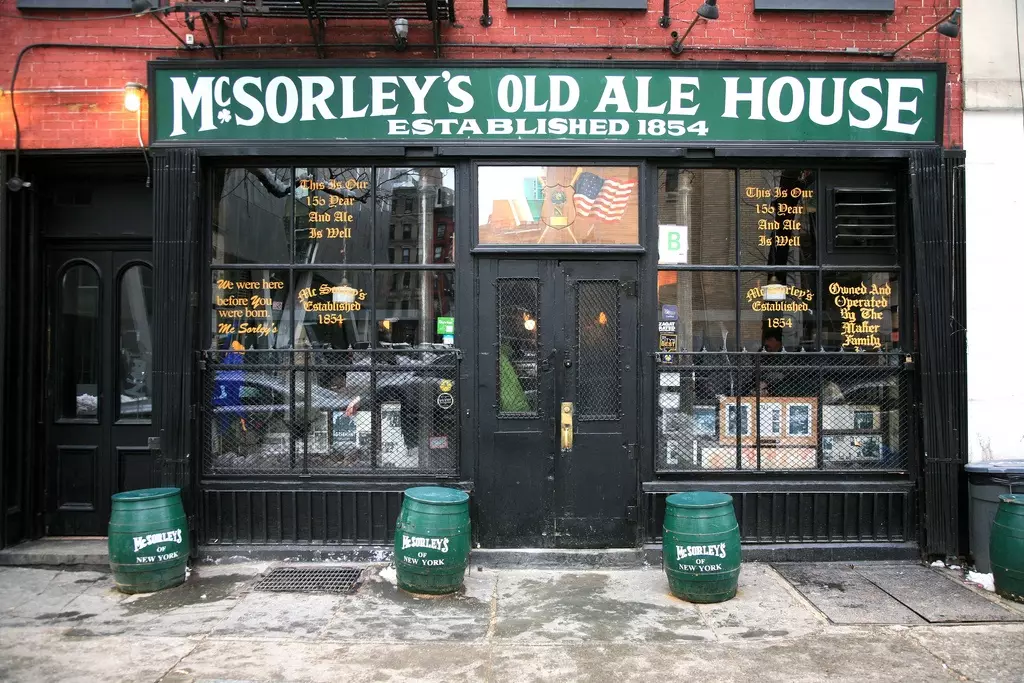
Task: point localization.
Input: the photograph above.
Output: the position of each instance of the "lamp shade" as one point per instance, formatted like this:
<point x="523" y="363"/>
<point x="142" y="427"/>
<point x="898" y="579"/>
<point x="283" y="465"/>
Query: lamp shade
<point x="951" y="27"/>
<point x="709" y="10"/>
<point x="773" y="292"/>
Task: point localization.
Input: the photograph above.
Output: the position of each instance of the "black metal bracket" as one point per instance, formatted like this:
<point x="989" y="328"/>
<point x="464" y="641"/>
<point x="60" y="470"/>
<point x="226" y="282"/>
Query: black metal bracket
<point x="217" y="53"/>
<point x="317" y="26"/>
<point x="665" y="20"/>
<point x="486" y="19"/>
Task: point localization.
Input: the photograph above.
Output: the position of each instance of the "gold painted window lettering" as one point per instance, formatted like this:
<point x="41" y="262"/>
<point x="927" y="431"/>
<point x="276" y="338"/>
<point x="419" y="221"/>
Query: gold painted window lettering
<point x="333" y="219"/>
<point x="861" y="311"/>
<point x="332" y="309"/>
<point x="250" y="307"/>
<point x="778" y="310"/>
<point x="778" y="217"/>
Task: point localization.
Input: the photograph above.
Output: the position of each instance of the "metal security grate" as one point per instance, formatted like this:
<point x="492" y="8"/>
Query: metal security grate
<point x="331" y="412"/>
<point x="783" y="411"/>
<point x="337" y="580"/>
<point x="598" y="340"/>
<point x="518" y="347"/>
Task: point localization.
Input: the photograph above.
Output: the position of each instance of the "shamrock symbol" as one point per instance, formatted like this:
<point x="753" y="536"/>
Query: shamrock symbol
<point x="223" y="116"/>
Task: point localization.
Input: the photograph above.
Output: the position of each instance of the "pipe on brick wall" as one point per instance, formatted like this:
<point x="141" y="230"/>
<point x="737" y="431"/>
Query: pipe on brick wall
<point x="68" y="46"/>
<point x="50" y="91"/>
<point x="570" y="48"/>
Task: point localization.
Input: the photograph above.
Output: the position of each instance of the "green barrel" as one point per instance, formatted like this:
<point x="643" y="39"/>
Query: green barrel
<point x="432" y="540"/>
<point x="1006" y="547"/>
<point x="147" y="540"/>
<point x="701" y="546"/>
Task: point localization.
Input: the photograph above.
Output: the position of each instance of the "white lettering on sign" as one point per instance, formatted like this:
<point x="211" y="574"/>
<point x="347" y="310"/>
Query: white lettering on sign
<point x="417" y="105"/>
<point x="165" y="537"/>
<point x="716" y="550"/>
<point x="428" y="543"/>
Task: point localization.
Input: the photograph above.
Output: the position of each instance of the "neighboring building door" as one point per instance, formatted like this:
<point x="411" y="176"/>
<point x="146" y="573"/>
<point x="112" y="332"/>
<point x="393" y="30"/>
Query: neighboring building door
<point x="98" y="410"/>
<point x="557" y="336"/>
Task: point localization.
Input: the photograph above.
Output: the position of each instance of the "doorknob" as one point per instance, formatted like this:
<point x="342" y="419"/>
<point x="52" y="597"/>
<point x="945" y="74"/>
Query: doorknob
<point x="566" y="413"/>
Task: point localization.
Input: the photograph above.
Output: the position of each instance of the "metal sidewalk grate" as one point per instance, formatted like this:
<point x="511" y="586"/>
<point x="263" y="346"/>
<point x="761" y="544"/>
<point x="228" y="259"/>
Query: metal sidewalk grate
<point x="337" y="580"/>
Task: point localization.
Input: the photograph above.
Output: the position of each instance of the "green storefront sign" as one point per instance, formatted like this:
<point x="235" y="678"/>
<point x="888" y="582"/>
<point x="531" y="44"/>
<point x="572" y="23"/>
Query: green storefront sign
<point x="679" y="105"/>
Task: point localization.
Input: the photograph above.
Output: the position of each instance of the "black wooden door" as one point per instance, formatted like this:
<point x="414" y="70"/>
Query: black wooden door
<point x="557" y="335"/>
<point x="98" y="410"/>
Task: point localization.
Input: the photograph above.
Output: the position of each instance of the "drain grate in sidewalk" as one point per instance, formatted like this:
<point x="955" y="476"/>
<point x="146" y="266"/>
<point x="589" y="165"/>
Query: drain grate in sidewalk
<point x="337" y="580"/>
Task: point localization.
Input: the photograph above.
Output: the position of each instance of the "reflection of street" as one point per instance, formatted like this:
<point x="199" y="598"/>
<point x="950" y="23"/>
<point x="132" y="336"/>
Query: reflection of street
<point x="316" y="412"/>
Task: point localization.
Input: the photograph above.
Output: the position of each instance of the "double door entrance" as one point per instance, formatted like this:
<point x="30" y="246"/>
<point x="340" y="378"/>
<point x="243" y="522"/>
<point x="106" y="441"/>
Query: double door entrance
<point x="98" y="410"/>
<point x="557" y="414"/>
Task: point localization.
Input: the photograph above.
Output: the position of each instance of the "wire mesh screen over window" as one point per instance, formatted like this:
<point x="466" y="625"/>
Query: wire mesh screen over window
<point x="518" y="346"/>
<point x="331" y="412"/>
<point x="799" y="411"/>
<point x="598" y="390"/>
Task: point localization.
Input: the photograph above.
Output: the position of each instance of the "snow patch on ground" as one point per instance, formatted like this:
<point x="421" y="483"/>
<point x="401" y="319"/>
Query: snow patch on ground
<point x="940" y="564"/>
<point x="983" y="580"/>
<point x="389" y="574"/>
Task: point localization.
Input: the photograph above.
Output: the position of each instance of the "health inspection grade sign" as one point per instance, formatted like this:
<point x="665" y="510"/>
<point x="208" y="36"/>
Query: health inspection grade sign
<point x="407" y="104"/>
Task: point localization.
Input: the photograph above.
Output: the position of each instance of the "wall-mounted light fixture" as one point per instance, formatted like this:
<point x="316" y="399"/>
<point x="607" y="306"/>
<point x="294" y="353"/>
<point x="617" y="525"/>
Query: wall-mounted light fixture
<point x="707" y="11"/>
<point x="401" y="28"/>
<point x="948" y="26"/>
<point x="951" y="26"/>
<point x="133" y="94"/>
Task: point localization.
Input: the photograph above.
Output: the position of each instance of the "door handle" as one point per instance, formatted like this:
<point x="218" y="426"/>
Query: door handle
<point x="567" y="430"/>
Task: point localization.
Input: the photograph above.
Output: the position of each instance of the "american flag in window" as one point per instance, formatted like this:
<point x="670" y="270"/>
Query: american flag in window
<point x="605" y="198"/>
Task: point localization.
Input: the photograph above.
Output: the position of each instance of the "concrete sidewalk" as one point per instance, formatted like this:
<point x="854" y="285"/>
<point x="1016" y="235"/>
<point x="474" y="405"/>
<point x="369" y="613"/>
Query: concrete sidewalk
<point x="508" y="625"/>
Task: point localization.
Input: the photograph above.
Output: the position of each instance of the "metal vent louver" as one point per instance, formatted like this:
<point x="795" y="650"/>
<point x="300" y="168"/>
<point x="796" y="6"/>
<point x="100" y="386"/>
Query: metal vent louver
<point x="864" y="218"/>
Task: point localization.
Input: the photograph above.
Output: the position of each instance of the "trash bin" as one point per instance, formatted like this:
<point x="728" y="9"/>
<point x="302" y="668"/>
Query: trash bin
<point x="701" y="546"/>
<point x="147" y="540"/>
<point x="432" y="540"/>
<point x="1007" y="549"/>
<point x="986" y="482"/>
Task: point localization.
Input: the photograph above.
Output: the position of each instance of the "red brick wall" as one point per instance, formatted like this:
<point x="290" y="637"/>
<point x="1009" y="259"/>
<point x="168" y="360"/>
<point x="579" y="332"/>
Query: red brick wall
<point x="98" y="120"/>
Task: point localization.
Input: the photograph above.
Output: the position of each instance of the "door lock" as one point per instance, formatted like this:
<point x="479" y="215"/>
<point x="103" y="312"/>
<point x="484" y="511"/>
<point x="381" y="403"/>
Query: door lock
<point x="567" y="430"/>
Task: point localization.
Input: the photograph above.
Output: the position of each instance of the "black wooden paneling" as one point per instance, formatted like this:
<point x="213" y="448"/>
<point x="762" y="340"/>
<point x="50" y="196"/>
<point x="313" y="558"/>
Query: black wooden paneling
<point x="939" y="287"/>
<point x="175" y="244"/>
<point x="880" y="515"/>
<point x="256" y="516"/>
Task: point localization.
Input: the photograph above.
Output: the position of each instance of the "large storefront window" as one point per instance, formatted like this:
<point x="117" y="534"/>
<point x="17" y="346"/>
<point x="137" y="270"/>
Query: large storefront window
<point x="774" y="352"/>
<point x="548" y="205"/>
<point x="325" y="357"/>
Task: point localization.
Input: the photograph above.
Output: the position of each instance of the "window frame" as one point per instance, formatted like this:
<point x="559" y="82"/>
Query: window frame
<point x="380" y="224"/>
<point x="647" y="170"/>
<point x="852" y="260"/>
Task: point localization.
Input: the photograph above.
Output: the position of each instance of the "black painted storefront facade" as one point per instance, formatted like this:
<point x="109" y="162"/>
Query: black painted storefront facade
<point x="609" y="490"/>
